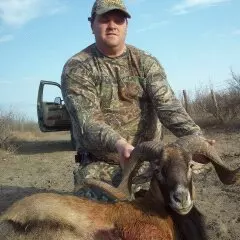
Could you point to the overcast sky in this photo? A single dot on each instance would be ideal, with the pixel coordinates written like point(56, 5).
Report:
point(197, 42)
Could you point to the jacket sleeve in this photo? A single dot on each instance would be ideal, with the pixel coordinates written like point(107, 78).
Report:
point(169, 109)
point(82, 101)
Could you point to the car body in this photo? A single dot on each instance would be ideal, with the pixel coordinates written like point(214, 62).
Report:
point(52, 115)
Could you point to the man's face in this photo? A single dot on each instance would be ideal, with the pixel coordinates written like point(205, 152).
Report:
point(110, 29)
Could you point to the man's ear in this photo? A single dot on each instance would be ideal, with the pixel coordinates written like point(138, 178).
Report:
point(92, 28)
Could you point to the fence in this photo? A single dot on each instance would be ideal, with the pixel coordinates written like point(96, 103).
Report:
point(223, 106)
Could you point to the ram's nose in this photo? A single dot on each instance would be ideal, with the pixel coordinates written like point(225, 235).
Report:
point(181, 200)
point(181, 197)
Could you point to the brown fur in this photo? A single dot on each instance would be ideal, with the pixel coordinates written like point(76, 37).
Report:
point(70, 217)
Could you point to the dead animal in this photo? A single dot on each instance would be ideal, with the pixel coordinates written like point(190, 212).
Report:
point(165, 212)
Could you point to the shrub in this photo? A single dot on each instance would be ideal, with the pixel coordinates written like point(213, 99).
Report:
point(5, 129)
point(223, 105)
point(11, 122)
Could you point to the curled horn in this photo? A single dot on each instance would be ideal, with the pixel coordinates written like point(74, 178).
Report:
point(143, 152)
point(199, 145)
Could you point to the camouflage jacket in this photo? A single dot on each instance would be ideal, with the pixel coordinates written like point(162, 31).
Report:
point(109, 98)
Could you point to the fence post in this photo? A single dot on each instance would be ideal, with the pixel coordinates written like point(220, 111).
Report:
point(216, 106)
point(186, 105)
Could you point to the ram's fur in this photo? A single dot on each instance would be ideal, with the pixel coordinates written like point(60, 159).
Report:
point(165, 208)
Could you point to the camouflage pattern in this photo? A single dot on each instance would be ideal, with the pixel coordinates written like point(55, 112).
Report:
point(124, 97)
point(103, 6)
point(110, 98)
point(111, 174)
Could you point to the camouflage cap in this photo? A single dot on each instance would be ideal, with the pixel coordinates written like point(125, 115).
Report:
point(103, 6)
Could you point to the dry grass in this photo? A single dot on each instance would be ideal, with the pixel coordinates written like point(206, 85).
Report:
point(13, 125)
point(5, 129)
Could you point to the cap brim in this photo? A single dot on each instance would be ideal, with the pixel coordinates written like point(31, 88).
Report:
point(100, 12)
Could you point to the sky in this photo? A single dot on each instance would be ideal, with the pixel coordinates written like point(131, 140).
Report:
point(196, 41)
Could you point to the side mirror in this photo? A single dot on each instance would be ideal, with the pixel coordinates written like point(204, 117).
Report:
point(58, 100)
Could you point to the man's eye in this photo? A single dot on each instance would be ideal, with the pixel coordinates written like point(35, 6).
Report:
point(103, 20)
point(119, 21)
point(164, 172)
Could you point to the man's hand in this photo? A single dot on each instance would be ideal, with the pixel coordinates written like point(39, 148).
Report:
point(124, 149)
point(211, 141)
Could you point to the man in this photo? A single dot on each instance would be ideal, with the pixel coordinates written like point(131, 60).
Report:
point(116, 96)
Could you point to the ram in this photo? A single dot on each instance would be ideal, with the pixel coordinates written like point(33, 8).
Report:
point(166, 211)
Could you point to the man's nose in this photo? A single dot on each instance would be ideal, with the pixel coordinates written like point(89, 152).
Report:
point(111, 24)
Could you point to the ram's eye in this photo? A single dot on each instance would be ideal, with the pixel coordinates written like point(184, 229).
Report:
point(164, 172)
point(157, 171)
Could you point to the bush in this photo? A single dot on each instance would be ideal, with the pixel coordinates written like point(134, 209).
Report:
point(234, 83)
point(11, 122)
point(223, 105)
point(5, 129)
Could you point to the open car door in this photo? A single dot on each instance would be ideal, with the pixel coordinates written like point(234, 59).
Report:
point(52, 115)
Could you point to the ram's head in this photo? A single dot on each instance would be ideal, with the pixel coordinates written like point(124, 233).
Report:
point(171, 166)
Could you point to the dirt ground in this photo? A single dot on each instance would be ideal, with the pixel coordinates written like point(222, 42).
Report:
point(45, 163)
